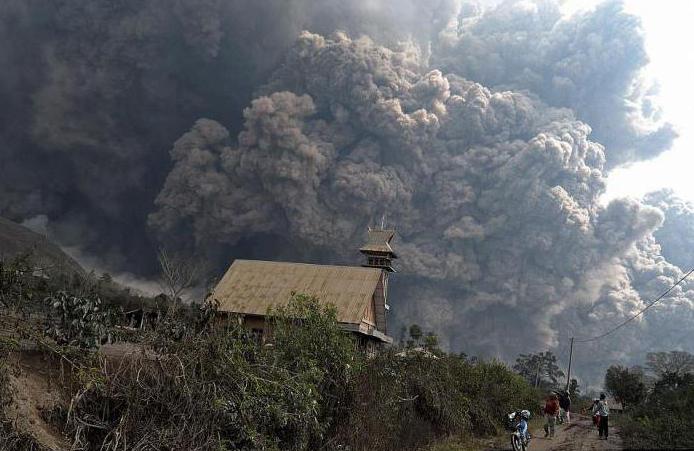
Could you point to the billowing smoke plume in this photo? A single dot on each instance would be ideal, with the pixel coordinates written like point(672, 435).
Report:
point(676, 236)
point(94, 92)
point(494, 193)
point(484, 135)
point(590, 63)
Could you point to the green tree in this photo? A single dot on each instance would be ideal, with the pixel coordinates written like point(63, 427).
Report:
point(431, 342)
point(216, 388)
point(625, 385)
point(540, 370)
point(16, 285)
point(415, 333)
point(308, 339)
point(675, 363)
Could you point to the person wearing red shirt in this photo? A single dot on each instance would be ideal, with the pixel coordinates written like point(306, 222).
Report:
point(551, 411)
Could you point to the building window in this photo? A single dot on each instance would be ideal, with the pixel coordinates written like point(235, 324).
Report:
point(257, 335)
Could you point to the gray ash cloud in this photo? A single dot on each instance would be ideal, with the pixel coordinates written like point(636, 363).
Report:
point(95, 92)
point(676, 236)
point(495, 193)
point(484, 134)
point(590, 63)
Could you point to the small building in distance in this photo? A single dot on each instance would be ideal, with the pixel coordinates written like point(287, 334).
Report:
point(359, 293)
point(614, 405)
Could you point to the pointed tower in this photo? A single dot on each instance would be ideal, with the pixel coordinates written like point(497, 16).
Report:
point(377, 249)
point(380, 255)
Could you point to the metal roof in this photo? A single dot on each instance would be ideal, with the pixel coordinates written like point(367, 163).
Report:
point(379, 241)
point(252, 287)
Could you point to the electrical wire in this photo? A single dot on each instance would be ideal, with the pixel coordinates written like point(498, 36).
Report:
point(641, 312)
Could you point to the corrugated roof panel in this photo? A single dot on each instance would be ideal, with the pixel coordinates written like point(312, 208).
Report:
point(252, 287)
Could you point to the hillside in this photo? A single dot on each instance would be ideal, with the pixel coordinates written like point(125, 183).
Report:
point(16, 239)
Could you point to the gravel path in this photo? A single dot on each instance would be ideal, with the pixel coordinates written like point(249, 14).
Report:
point(580, 435)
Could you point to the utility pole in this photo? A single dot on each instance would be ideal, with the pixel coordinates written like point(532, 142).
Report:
point(568, 372)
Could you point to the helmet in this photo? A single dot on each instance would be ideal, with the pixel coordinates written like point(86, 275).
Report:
point(525, 414)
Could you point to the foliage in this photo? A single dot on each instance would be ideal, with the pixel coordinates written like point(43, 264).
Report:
point(429, 341)
point(664, 421)
point(671, 382)
point(24, 286)
point(659, 418)
point(415, 332)
point(677, 363)
point(407, 400)
point(625, 385)
point(201, 381)
point(217, 388)
point(5, 392)
point(319, 347)
point(81, 321)
point(17, 286)
point(214, 386)
point(574, 391)
point(540, 370)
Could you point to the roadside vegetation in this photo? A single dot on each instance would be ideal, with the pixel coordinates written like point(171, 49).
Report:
point(199, 381)
point(658, 400)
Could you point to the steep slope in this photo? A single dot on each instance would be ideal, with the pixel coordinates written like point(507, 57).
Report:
point(16, 239)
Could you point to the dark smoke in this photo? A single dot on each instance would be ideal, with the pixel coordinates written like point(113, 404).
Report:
point(95, 92)
point(483, 134)
point(495, 194)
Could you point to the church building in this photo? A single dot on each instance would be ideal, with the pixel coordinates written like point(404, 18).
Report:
point(359, 293)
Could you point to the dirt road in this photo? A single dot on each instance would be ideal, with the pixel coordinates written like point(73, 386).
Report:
point(580, 435)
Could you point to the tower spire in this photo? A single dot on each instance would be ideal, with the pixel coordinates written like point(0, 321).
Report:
point(377, 249)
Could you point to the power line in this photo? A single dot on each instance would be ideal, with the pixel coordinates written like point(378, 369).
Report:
point(641, 312)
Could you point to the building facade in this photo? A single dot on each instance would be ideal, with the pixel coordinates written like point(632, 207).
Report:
point(250, 288)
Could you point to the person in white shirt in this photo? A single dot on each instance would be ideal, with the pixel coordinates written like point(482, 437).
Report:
point(603, 411)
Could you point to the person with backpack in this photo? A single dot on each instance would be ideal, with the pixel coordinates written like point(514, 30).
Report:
point(602, 410)
point(565, 406)
point(596, 417)
point(551, 410)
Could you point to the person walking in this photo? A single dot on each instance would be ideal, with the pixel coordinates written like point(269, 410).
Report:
point(603, 411)
point(596, 417)
point(551, 410)
point(565, 405)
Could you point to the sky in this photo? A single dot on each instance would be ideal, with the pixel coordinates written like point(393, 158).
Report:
point(668, 32)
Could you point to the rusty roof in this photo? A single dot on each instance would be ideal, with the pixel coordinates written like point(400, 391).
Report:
point(252, 287)
point(379, 241)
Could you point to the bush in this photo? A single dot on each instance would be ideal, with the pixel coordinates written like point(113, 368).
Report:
point(217, 388)
point(664, 421)
point(197, 382)
point(406, 401)
point(307, 339)
point(82, 321)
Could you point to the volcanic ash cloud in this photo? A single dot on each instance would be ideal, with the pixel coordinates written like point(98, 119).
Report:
point(494, 193)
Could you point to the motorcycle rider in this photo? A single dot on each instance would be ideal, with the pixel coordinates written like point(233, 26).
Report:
point(523, 417)
point(523, 425)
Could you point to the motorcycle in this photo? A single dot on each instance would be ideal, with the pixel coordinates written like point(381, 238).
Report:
point(519, 441)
